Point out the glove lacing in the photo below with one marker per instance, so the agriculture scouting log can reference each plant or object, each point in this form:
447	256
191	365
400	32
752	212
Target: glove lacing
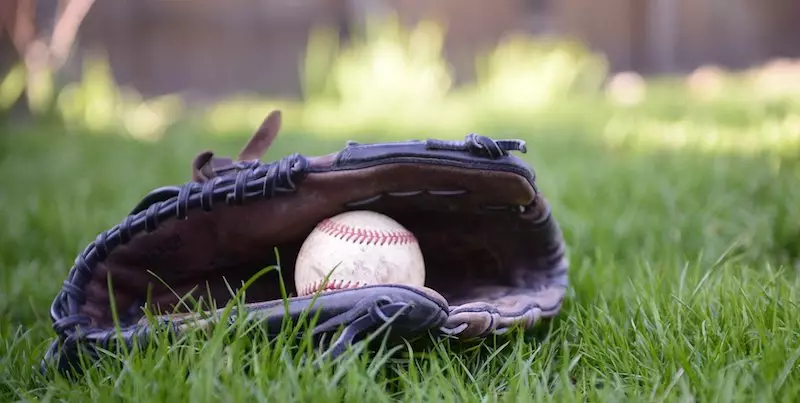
479	145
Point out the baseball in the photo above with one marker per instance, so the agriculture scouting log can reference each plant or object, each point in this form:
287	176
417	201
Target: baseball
358	248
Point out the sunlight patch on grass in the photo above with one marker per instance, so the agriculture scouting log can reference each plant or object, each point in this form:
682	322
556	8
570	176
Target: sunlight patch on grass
779	135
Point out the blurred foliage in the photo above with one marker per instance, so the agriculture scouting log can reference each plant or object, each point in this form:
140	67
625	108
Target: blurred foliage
521	74
94	104
383	69
12	87
389	76
97	104
394	79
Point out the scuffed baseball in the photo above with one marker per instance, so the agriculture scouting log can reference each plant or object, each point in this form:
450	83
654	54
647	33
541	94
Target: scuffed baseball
360	248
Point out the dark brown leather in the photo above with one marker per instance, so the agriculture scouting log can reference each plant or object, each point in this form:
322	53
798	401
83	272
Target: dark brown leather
236	241
494	254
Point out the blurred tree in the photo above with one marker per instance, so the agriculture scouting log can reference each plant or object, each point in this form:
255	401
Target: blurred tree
41	34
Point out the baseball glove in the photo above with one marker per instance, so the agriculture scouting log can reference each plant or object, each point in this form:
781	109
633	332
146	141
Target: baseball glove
494	255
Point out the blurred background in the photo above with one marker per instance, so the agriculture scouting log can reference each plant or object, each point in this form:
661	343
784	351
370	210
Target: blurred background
140	65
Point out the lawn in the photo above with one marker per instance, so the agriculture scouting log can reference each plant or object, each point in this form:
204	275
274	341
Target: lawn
683	275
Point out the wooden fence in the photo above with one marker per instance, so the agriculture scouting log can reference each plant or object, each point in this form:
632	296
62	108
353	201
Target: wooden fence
215	47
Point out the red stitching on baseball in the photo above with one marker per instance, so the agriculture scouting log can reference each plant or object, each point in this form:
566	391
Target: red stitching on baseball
365	236
332	285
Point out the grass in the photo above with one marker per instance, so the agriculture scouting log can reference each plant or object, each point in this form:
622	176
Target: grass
683	281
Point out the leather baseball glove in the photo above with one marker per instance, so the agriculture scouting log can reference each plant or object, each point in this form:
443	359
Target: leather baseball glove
494	255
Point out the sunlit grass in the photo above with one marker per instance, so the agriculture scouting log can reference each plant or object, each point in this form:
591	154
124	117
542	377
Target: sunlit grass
779	134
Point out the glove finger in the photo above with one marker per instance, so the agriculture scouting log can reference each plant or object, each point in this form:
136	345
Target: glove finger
409	310
335	308
502	308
